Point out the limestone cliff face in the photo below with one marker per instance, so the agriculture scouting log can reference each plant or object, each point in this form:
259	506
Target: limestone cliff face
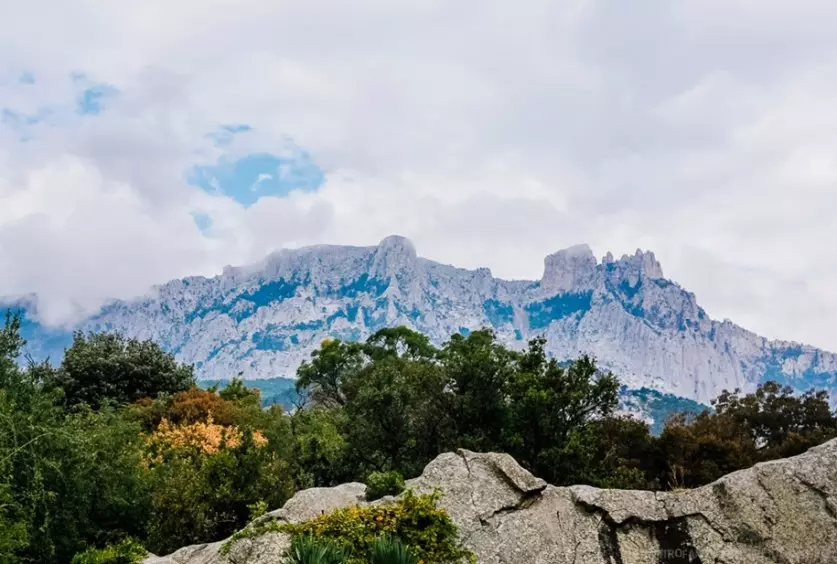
264	319
782	511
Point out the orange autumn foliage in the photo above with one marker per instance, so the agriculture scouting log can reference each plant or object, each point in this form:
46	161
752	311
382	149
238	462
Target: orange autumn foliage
192	406
205	437
195	405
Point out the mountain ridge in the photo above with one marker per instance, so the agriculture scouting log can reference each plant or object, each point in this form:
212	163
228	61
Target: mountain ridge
263	319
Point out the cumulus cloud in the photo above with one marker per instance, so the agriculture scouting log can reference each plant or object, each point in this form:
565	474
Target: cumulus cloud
490	133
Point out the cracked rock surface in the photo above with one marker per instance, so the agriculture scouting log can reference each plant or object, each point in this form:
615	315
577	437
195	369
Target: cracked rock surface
783	511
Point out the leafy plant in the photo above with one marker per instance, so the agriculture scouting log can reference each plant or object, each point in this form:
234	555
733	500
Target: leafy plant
380	484
127	551
257	509
425	528
390	550
307	549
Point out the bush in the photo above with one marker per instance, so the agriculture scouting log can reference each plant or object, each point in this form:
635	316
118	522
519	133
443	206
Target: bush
306	549
426	530
389	550
415	519
126	552
380	484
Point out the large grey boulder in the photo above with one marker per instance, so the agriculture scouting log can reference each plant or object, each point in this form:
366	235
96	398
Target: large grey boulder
784	511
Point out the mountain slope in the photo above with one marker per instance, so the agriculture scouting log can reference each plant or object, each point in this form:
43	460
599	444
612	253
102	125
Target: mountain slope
264	319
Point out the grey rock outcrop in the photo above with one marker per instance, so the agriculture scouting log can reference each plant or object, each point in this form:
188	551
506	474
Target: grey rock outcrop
313	502
784	511
569	270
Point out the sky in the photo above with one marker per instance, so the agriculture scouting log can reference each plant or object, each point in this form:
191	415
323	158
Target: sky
148	141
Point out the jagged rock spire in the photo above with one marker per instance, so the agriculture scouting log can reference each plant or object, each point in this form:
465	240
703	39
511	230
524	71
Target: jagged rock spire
569	269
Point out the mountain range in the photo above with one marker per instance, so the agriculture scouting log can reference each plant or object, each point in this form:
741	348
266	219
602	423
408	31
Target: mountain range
264	319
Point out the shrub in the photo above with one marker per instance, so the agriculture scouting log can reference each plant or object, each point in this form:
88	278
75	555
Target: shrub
379	484
424	528
306	549
126	552
415	519
389	550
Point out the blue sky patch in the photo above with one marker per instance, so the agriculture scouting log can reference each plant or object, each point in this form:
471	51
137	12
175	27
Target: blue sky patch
257	175
203	221
90	101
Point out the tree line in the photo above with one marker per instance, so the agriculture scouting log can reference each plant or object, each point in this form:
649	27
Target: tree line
117	443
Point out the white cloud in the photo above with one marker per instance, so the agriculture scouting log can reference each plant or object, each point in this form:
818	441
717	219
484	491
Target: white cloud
491	133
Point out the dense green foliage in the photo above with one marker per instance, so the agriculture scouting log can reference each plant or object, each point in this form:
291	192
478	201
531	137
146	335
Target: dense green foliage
398	401
425	529
68	479
117	443
107	366
127	551
380	484
75	477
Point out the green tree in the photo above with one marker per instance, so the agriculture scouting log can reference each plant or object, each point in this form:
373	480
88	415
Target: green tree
610	452
400	342
391	394
696	451
771	422
397	406
13	527
781	422
378	423
322	379
107	367
548	403
320	447
237	392
207	497
478	371
11	344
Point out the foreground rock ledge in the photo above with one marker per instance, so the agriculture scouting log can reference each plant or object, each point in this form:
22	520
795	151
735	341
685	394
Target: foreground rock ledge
783	511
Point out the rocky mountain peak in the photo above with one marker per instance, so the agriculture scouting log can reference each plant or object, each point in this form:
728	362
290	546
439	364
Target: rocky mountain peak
393	255
646	263
633	268
265	319
569	269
